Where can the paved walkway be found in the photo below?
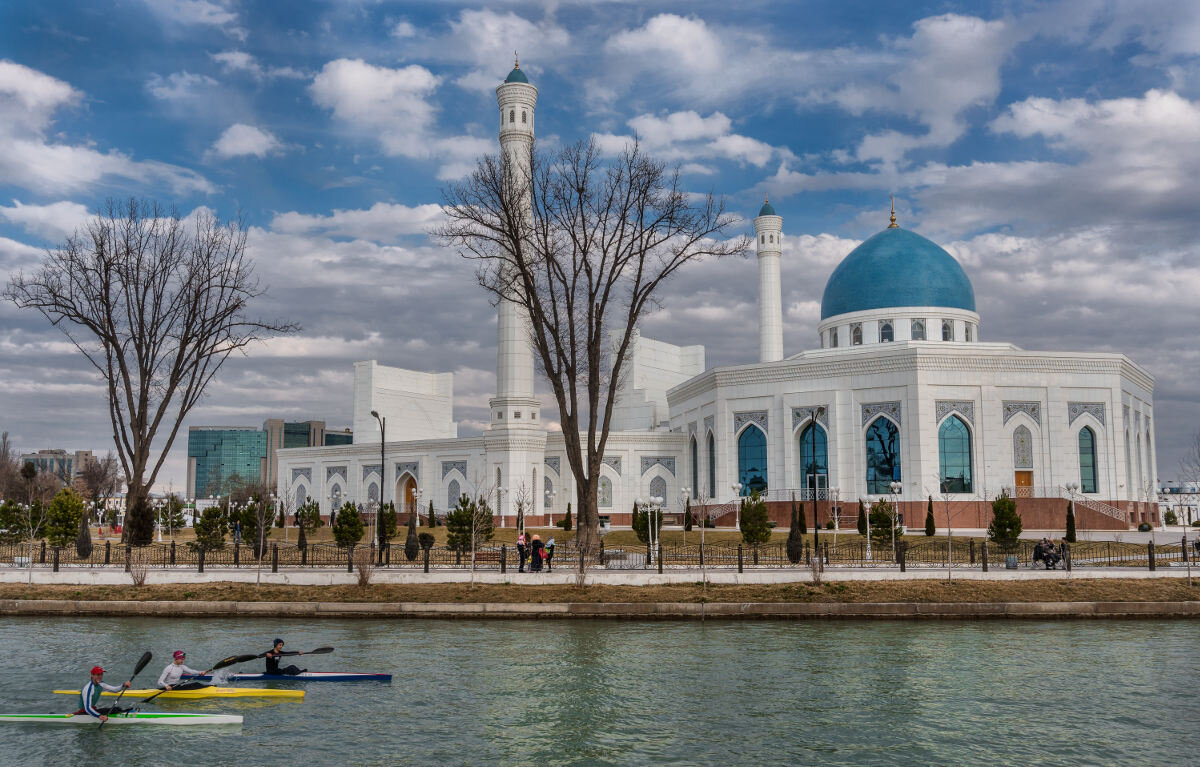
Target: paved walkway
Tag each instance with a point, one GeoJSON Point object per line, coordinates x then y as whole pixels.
{"type": "Point", "coordinates": [115, 576]}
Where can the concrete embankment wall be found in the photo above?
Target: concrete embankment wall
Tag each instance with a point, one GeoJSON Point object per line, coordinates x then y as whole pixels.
{"type": "Point", "coordinates": [625, 610]}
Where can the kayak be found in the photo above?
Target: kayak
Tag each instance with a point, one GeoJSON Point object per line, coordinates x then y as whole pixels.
{"type": "Point", "coordinates": [307, 676]}
{"type": "Point", "coordinates": [141, 717]}
{"type": "Point", "coordinates": [203, 692]}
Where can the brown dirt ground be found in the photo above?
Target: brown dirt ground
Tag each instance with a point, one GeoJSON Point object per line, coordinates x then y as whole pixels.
{"type": "Point", "coordinates": [1152, 590]}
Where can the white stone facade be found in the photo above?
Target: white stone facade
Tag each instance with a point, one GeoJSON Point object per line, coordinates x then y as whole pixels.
{"type": "Point", "coordinates": [1021, 415]}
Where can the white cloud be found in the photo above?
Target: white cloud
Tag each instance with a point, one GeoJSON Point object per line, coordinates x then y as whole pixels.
{"type": "Point", "coordinates": [393, 106]}
{"type": "Point", "coordinates": [382, 222]}
{"type": "Point", "coordinates": [202, 13]}
{"type": "Point", "coordinates": [29, 159]}
{"type": "Point", "coordinates": [485, 38]}
{"type": "Point", "coordinates": [240, 140]}
{"type": "Point", "coordinates": [687, 136]}
{"type": "Point", "coordinates": [179, 86]}
{"type": "Point", "coordinates": [241, 61]}
{"type": "Point", "coordinates": [404, 29]}
{"type": "Point", "coordinates": [51, 222]}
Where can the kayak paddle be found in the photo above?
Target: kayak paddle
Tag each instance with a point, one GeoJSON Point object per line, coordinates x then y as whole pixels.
{"type": "Point", "coordinates": [318, 651]}
{"type": "Point", "coordinates": [223, 663]}
{"type": "Point", "coordinates": [141, 664]}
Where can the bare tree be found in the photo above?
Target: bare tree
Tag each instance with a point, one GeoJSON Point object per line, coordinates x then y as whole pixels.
{"type": "Point", "coordinates": [583, 247]}
{"type": "Point", "coordinates": [523, 501]}
{"type": "Point", "coordinates": [156, 304]}
{"type": "Point", "coordinates": [100, 479]}
{"type": "Point", "coordinates": [10, 469]}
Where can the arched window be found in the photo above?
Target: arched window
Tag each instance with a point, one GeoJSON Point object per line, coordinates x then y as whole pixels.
{"type": "Point", "coordinates": [301, 496]}
{"type": "Point", "coordinates": [752, 460]}
{"type": "Point", "coordinates": [712, 466]}
{"type": "Point", "coordinates": [886, 334]}
{"type": "Point", "coordinates": [947, 330]}
{"type": "Point", "coordinates": [762, 239]}
{"type": "Point", "coordinates": [856, 334]}
{"type": "Point", "coordinates": [1140, 473]}
{"type": "Point", "coordinates": [695, 467]}
{"type": "Point", "coordinates": [918, 330]}
{"type": "Point", "coordinates": [954, 450]}
{"type": "Point", "coordinates": [658, 489]}
{"type": "Point", "coordinates": [335, 491]}
{"type": "Point", "coordinates": [814, 458]}
{"type": "Point", "coordinates": [1087, 460]}
{"type": "Point", "coordinates": [453, 493]}
{"type": "Point", "coordinates": [883, 456]}
{"type": "Point", "coordinates": [523, 120]}
{"type": "Point", "coordinates": [771, 238]}
{"type": "Point", "coordinates": [512, 115]}
{"type": "Point", "coordinates": [970, 332]}
{"type": "Point", "coordinates": [372, 497]}
{"type": "Point", "coordinates": [548, 489]}
{"type": "Point", "coordinates": [833, 338]}
{"type": "Point", "coordinates": [605, 493]}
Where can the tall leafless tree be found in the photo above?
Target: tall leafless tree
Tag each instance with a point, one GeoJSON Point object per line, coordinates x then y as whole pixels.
{"type": "Point", "coordinates": [101, 479]}
{"type": "Point", "coordinates": [156, 304]}
{"type": "Point", "coordinates": [583, 245]}
{"type": "Point", "coordinates": [10, 470]}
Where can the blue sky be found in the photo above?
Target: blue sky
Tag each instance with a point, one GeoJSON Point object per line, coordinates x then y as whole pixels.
{"type": "Point", "coordinates": [1051, 147]}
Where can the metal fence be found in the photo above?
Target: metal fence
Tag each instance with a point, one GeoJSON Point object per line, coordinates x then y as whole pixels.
{"type": "Point", "coordinates": [923, 553]}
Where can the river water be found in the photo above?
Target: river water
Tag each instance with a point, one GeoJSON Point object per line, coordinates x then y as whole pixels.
{"type": "Point", "coordinates": [637, 693]}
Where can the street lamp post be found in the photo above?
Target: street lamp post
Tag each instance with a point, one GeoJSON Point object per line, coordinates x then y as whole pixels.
{"type": "Point", "coordinates": [376, 528]}
{"type": "Point", "coordinates": [416, 494]}
{"type": "Point", "coordinates": [549, 498]}
{"type": "Point", "coordinates": [895, 487]}
{"type": "Point", "coordinates": [867, 516]}
{"type": "Point", "coordinates": [737, 498]}
{"type": "Point", "coordinates": [813, 456]}
{"type": "Point", "coordinates": [684, 494]}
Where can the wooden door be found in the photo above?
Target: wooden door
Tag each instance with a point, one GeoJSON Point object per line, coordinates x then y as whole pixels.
{"type": "Point", "coordinates": [1024, 483]}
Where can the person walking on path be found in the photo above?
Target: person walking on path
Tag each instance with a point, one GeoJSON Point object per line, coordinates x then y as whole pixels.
{"type": "Point", "coordinates": [90, 694]}
{"type": "Point", "coordinates": [170, 676]}
{"type": "Point", "coordinates": [536, 550]}
{"type": "Point", "coordinates": [522, 552]}
{"type": "Point", "coordinates": [549, 553]}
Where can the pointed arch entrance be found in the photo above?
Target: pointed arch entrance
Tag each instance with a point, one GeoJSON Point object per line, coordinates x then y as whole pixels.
{"type": "Point", "coordinates": [406, 496]}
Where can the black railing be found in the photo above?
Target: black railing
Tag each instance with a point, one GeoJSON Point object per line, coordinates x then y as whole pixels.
{"type": "Point", "coordinates": [917, 554]}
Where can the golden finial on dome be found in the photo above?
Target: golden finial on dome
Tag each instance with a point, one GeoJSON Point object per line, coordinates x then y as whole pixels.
{"type": "Point", "coordinates": [766, 199]}
{"type": "Point", "coordinates": [893, 225]}
{"type": "Point", "coordinates": [516, 61]}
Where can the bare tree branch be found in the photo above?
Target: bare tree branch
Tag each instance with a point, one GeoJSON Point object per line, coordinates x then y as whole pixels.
{"type": "Point", "coordinates": [156, 304]}
{"type": "Point", "coordinates": [584, 246]}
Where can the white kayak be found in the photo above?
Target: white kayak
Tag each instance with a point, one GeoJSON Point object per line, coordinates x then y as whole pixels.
{"type": "Point", "coordinates": [156, 718]}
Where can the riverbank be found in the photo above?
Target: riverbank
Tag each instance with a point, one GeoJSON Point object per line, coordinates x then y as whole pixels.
{"type": "Point", "coordinates": [1164, 590]}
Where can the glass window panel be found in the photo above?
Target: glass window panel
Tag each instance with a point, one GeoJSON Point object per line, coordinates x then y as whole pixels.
{"type": "Point", "coordinates": [712, 466]}
{"type": "Point", "coordinates": [883, 456]}
{"type": "Point", "coordinates": [1087, 460]}
{"type": "Point", "coordinates": [886, 334]}
{"type": "Point", "coordinates": [658, 488]}
{"type": "Point", "coordinates": [918, 330]}
{"type": "Point", "coordinates": [814, 456]}
{"type": "Point", "coordinates": [954, 450]}
{"type": "Point", "coordinates": [695, 466]}
{"type": "Point", "coordinates": [752, 460]}
{"type": "Point", "coordinates": [453, 493]}
{"type": "Point", "coordinates": [947, 330]}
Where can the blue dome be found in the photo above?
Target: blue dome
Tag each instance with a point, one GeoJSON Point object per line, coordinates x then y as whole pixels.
{"type": "Point", "coordinates": [767, 210]}
{"type": "Point", "coordinates": [516, 76]}
{"type": "Point", "coordinates": [896, 268]}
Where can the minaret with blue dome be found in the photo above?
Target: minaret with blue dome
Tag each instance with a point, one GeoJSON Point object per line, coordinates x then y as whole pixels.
{"type": "Point", "coordinates": [897, 286]}
{"type": "Point", "coordinates": [768, 230]}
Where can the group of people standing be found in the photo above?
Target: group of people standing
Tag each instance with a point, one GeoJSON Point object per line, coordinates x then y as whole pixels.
{"type": "Point", "coordinates": [535, 551]}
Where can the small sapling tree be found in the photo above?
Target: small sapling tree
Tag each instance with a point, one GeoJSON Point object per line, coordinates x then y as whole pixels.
{"type": "Point", "coordinates": [1005, 527]}
{"type": "Point", "coordinates": [210, 529]}
{"type": "Point", "coordinates": [930, 525]}
{"type": "Point", "coordinates": [862, 519]}
{"type": "Point", "coordinates": [795, 539]}
{"type": "Point", "coordinates": [412, 547]}
{"type": "Point", "coordinates": [348, 528]}
{"type": "Point", "coordinates": [1070, 536]}
{"type": "Point", "coordinates": [755, 521]}
{"type": "Point", "coordinates": [62, 518]}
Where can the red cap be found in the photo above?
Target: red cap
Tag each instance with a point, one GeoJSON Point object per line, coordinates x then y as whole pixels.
{"type": "Point", "coordinates": [180, 654]}
{"type": "Point", "coordinates": [97, 670]}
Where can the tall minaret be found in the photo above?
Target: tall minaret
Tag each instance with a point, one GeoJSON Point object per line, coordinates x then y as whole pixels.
{"type": "Point", "coordinates": [514, 357]}
{"type": "Point", "coordinates": [769, 230]}
{"type": "Point", "coordinates": [515, 442]}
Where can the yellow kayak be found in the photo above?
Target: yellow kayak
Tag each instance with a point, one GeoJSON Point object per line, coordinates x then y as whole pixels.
{"type": "Point", "coordinates": [204, 692]}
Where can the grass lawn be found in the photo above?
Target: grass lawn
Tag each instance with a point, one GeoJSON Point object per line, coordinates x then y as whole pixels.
{"type": "Point", "coordinates": [1065, 590]}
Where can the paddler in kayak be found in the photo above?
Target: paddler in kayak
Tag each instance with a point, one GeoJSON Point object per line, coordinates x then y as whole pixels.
{"type": "Point", "coordinates": [91, 693]}
{"type": "Point", "coordinates": [175, 670]}
{"type": "Point", "coordinates": [274, 654]}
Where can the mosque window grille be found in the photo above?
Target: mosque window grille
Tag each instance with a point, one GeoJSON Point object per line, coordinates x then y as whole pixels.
{"type": "Point", "coordinates": [523, 117]}
{"type": "Point", "coordinates": [970, 332]}
{"type": "Point", "coordinates": [856, 334]}
{"type": "Point", "coordinates": [918, 330]}
{"type": "Point", "coordinates": [947, 330]}
{"type": "Point", "coordinates": [833, 337]}
{"type": "Point", "coordinates": [512, 115]}
{"type": "Point", "coordinates": [886, 332]}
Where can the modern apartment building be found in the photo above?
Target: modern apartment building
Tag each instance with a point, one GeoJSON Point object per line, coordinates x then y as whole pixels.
{"type": "Point", "coordinates": [219, 454]}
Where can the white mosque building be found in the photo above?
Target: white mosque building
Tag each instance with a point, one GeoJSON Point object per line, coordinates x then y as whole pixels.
{"type": "Point", "coordinates": [902, 398]}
